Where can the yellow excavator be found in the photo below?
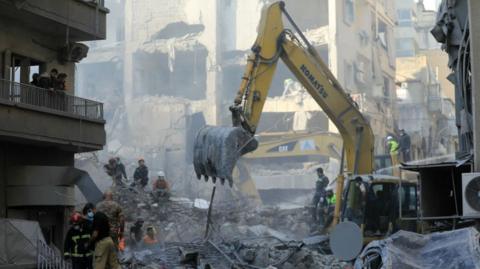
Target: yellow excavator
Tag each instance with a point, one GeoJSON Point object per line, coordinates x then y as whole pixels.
{"type": "Point", "coordinates": [369, 203]}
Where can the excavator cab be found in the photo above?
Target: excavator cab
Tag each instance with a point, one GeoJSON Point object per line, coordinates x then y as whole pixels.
{"type": "Point", "coordinates": [374, 204]}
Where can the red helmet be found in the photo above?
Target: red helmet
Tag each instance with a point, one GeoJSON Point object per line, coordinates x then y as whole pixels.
{"type": "Point", "coordinates": [75, 218]}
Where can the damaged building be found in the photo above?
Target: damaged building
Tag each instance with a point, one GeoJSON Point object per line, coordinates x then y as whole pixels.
{"type": "Point", "coordinates": [422, 84]}
{"type": "Point", "coordinates": [43, 129]}
{"type": "Point", "coordinates": [148, 58]}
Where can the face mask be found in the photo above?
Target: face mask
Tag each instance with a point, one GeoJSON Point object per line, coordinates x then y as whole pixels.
{"type": "Point", "coordinates": [76, 227]}
{"type": "Point", "coordinates": [90, 215]}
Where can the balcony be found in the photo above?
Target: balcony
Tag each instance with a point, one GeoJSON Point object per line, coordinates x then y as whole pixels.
{"type": "Point", "coordinates": [40, 116]}
{"type": "Point", "coordinates": [84, 19]}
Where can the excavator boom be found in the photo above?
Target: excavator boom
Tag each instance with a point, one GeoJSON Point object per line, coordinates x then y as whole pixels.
{"type": "Point", "coordinates": [218, 148]}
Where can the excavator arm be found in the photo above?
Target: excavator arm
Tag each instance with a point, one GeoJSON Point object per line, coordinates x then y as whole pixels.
{"type": "Point", "coordinates": [217, 149]}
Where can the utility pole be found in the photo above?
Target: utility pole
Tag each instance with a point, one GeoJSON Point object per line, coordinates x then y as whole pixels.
{"type": "Point", "coordinates": [474, 22]}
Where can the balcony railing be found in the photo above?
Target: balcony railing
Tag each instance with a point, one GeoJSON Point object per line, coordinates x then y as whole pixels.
{"type": "Point", "coordinates": [50, 100]}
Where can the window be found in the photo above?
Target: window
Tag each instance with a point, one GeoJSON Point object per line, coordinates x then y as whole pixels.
{"type": "Point", "coordinates": [383, 34]}
{"type": "Point", "coordinates": [404, 17]}
{"type": "Point", "coordinates": [348, 76]}
{"type": "Point", "coordinates": [348, 11]}
{"type": "Point", "coordinates": [408, 196]}
{"type": "Point", "coordinates": [405, 47]}
{"type": "Point", "coordinates": [386, 88]}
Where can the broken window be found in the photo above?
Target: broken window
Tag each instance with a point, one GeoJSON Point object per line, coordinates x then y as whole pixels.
{"type": "Point", "coordinates": [383, 34]}
{"type": "Point", "coordinates": [348, 76]}
{"type": "Point", "coordinates": [348, 11]}
{"type": "Point", "coordinates": [404, 17]}
{"type": "Point", "coordinates": [405, 47]}
{"type": "Point", "coordinates": [386, 88]}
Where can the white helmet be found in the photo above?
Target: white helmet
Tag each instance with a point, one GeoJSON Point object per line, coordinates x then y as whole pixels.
{"type": "Point", "coordinates": [389, 137]}
{"type": "Point", "coordinates": [161, 174]}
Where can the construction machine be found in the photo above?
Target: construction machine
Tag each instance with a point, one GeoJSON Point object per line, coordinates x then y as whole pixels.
{"type": "Point", "coordinates": [369, 201]}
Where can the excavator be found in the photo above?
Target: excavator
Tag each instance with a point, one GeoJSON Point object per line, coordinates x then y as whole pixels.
{"type": "Point", "coordinates": [369, 204]}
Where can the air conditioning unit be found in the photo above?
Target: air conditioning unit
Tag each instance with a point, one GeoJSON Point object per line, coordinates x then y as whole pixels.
{"type": "Point", "coordinates": [471, 195]}
{"type": "Point", "coordinates": [73, 52]}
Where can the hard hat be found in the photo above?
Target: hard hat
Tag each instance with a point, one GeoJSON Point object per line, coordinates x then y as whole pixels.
{"type": "Point", "coordinates": [161, 174]}
{"type": "Point", "coordinates": [75, 218]}
{"type": "Point", "coordinates": [389, 137]}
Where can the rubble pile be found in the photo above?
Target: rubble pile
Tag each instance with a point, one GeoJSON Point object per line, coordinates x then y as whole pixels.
{"type": "Point", "coordinates": [249, 253]}
{"type": "Point", "coordinates": [240, 236]}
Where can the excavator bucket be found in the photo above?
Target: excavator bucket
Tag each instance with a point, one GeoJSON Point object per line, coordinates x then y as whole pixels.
{"type": "Point", "coordinates": [216, 150]}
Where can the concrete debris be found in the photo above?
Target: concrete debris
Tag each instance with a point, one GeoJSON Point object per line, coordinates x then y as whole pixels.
{"type": "Point", "coordinates": [241, 236]}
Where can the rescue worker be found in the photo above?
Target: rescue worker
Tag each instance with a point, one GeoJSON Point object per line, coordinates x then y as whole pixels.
{"type": "Point", "coordinates": [331, 199]}
{"type": "Point", "coordinates": [161, 190]}
{"type": "Point", "coordinates": [393, 148]}
{"type": "Point", "coordinates": [105, 254]}
{"type": "Point", "coordinates": [113, 169]}
{"type": "Point", "coordinates": [140, 176]}
{"type": "Point", "coordinates": [405, 145]}
{"type": "Point", "coordinates": [150, 240]}
{"type": "Point", "coordinates": [76, 245]}
{"type": "Point", "coordinates": [88, 211]}
{"type": "Point", "coordinates": [115, 216]}
{"type": "Point", "coordinates": [121, 168]}
{"type": "Point", "coordinates": [319, 198]}
{"type": "Point", "coordinates": [136, 233]}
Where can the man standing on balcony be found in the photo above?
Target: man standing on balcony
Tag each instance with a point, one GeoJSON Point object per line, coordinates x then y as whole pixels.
{"type": "Point", "coordinates": [53, 78]}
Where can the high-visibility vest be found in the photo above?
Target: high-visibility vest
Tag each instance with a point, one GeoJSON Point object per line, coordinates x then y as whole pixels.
{"type": "Point", "coordinates": [394, 146]}
{"type": "Point", "coordinates": [332, 200]}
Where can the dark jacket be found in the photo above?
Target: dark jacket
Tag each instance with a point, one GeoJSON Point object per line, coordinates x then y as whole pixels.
{"type": "Point", "coordinates": [405, 142]}
{"type": "Point", "coordinates": [77, 243]}
{"type": "Point", "coordinates": [321, 183]}
{"type": "Point", "coordinates": [122, 170]}
{"type": "Point", "coordinates": [141, 174]}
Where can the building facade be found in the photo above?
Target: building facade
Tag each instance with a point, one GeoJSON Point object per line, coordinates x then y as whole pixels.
{"type": "Point", "coordinates": [41, 130]}
{"type": "Point", "coordinates": [422, 84]}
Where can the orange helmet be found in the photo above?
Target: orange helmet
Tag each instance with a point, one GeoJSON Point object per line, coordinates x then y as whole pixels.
{"type": "Point", "coordinates": [75, 218]}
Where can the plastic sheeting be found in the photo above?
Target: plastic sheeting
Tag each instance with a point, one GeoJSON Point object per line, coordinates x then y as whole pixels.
{"type": "Point", "coordinates": [456, 249]}
{"type": "Point", "coordinates": [18, 241]}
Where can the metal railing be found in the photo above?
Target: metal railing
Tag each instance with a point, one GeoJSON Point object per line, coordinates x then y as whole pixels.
{"type": "Point", "coordinates": [50, 99]}
{"type": "Point", "coordinates": [47, 258]}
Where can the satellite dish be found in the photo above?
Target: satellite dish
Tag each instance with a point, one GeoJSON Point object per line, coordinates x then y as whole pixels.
{"type": "Point", "coordinates": [346, 241]}
{"type": "Point", "coordinates": [472, 193]}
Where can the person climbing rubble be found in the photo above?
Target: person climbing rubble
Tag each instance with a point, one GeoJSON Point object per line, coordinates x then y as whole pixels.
{"type": "Point", "coordinates": [121, 168]}
{"type": "Point", "coordinates": [140, 176]}
{"type": "Point", "coordinates": [115, 215]}
{"type": "Point", "coordinates": [76, 245]}
{"type": "Point", "coordinates": [319, 198]}
{"type": "Point", "coordinates": [136, 233]}
{"type": "Point", "coordinates": [114, 170]}
{"type": "Point", "coordinates": [150, 239]}
{"type": "Point", "coordinates": [161, 189]}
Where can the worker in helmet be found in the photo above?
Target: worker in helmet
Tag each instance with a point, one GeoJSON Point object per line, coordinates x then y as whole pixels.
{"type": "Point", "coordinates": [393, 148]}
{"type": "Point", "coordinates": [150, 239]}
{"type": "Point", "coordinates": [328, 210]}
{"type": "Point", "coordinates": [140, 176]}
{"type": "Point", "coordinates": [161, 189]}
{"type": "Point", "coordinates": [76, 245]}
